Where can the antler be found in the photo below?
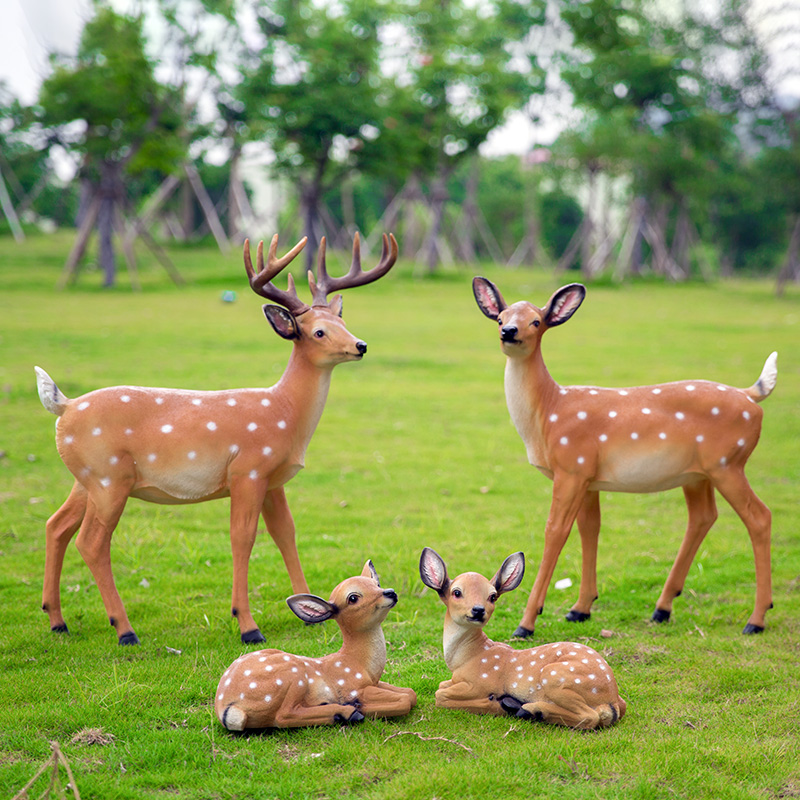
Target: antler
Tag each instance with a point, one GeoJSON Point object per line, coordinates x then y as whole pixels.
{"type": "Point", "coordinates": [261, 282]}
{"type": "Point", "coordinates": [324, 284]}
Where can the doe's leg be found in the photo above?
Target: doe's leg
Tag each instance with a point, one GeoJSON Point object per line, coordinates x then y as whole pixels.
{"type": "Point", "coordinates": [589, 528]}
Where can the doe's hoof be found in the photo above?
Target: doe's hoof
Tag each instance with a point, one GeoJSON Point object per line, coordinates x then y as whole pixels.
{"type": "Point", "coordinates": [659, 615]}
{"type": "Point", "coordinates": [253, 637]}
{"type": "Point", "coordinates": [577, 616]}
{"type": "Point", "coordinates": [60, 628]}
{"type": "Point", "coordinates": [750, 629]}
{"type": "Point", "coordinates": [129, 638]}
{"type": "Point", "coordinates": [354, 718]}
{"type": "Point", "coordinates": [522, 633]}
{"type": "Point", "coordinates": [510, 705]}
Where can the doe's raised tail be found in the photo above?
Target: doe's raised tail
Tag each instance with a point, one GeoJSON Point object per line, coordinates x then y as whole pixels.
{"type": "Point", "coordinates": [763, 387]}
{"type": "Point", "coordinates": [51, 396]}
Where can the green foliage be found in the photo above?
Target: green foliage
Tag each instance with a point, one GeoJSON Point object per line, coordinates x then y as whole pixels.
{"type": "Point", "coordinates": [415, 448]}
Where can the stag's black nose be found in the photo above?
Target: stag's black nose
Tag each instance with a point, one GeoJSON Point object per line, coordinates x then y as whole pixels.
{"type": "Point", "coordinates": [478, 612]}
{"type": "Point", "coordinates": [508, 333]}
{"type": "Point", "coordinates": [361, 347]}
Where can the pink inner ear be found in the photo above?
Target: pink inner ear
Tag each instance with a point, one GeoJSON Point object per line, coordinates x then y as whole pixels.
{"type": "Point", "coordinates": [565, 305]}
{"type": "Point", "coordinates": [488, 300]}
{"type": "Point", "coordinates": [435, 571]}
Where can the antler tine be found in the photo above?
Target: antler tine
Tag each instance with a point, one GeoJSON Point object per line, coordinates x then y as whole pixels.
{"type": "Point", "coordinates": [261, 281]}
{"type": "Point", "coordinates": [355, 276]}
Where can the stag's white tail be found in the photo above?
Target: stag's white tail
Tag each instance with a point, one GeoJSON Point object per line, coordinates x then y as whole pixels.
{"type": "Point", "coordinates": [51, 396]}
{"type": "Point", "coordinates": [763, 387]}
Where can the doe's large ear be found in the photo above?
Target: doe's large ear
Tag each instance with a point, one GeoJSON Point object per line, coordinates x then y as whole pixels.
{"type": "Point", "coordinates": [282, 321]}
{"type": "Point", "coordinates": [563, 304]}
{"type": "Point", "coordinates": [510, 574]}
{"type": "Point", "coordinates": [488, 297]}
{"type": "Point", "coordinates": [433, 571]}
{"type": "Point", "coordinates": [310, 608]}
{"type": "Point", "coordinates": [369, 571]}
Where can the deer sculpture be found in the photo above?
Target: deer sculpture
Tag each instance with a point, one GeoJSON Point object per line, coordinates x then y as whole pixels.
{"type": "Point", "coordinates": [273, 689]}
{"type": "Point", "coordinates": [178, 446]}
{"type": "Point", "coordinates": [562, 683]}
{"type": "Point", "coordinates": [694, 434]}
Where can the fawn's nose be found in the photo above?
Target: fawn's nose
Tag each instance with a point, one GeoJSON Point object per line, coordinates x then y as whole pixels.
{"type": "Point", "coordinates": [390, 594]}
{"type": "Point", "coordinates": [361, 347]}
{"type": "Point", "coordinates": [508, 333]}
{"type": "Point", "coordinates": [478, 612]}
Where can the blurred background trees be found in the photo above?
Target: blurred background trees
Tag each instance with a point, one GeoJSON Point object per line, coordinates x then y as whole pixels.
{"type": "Point", "coordinates": [676, 153]}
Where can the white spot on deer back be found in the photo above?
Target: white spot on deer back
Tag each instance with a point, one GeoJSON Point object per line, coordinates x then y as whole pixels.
{"type": "Point", "coordinates": [126, 398]}
{"type": "Point", "coordinates": [83, 406]}
{"type": "Point", "coordinates": [212, 426]}
{"type": "Point", "coordinates": [282, 424]}
{"type": "Point", "coordinates": [166, 429]}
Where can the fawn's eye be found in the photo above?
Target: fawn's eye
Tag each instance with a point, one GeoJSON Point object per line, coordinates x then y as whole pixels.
{"type": "Point", "coordinates": [492, 598]}
{"type": "Point", "coordinates": [456, 592]}
{"type": "Point", "coordinates": [535, 323]}
{"type": "Point", "coordinates": [353, 598]}
{"type": "Point", "coordinates": [319, 333]}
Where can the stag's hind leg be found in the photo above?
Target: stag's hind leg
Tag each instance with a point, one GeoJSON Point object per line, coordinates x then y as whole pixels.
{"type": "Point", "coordinates": [702, 509]}
{"type": "Point", "coordinates": [734, 487]}
{"type": "Point", "coordinates": [60, 529]}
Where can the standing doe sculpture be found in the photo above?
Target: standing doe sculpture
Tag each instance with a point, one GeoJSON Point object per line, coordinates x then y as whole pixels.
{"type": "Point", "coordinates": [694, 434]}
{"type": "Point", "coordinates": [178, 446]}
{"type": "Point", "coordinates": [563, 683]}
{"type": "Point", "coordinates": [273, 689]}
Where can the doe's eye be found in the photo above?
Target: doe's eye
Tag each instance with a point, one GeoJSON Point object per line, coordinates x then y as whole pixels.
{"type": "Point", "coordinates": [352, 599]}
{"type": "Point", "coordinates": [492, 598]}
{"type": "Point", "coordinates": [456, 592]}
{"type": "Point", "coordinates": [319, 333]}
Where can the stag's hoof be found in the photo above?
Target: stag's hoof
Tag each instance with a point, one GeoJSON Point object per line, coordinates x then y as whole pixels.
{"type": "Point", "coordinates": [62, 628]}
{"type": "Point", "coordinates": [522, 633]}
{"type": "Point", "coordinates": [129, 638]}
{"type": "Point", "coordinates": [253, 637]}
{"type": "Point", "coordinates": [659, 615]}
{"type": "Point", "coordinates": [577, 616]}
{"type": "Point", "coordinates": [750, 629]}
{"type": "Point", "coordinates": [510, 705]}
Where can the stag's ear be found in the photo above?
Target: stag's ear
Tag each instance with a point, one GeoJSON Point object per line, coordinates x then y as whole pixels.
{"type": "Point", "coordinates": [369, 571]}
{"type": "Point", "coordinates": [488, 297]}
{"type": "Point", "coordinates": [282, 321]}
{"type": "Point", "coordinates": [433, 571]}
{"type": "Point", "coordinates": [563, 304]}
{"type": "Point", "coordinates": [310, 608]}
{"type": "Point", "coordinates": [509, 576]}
{"type": "Point", "coordinates": [336, 304]}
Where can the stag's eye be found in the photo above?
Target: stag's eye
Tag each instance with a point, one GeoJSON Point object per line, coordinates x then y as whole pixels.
{"type": "Point", "coordinates": [456, 592]}
{"type": "Point", "coordinates": [319, 333]}
{"type": "Point", "coordinates": [352, 599]}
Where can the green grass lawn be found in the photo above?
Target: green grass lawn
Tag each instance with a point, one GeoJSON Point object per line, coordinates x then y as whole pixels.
{"type": "Point", "coordinates": [415, 448]}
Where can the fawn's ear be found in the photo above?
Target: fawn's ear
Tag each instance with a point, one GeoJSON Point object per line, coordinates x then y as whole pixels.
{"type": "Point", "coordinates": [282, 321]}
{"type": "Point", "coordinates": [488, 297]}
{"type": "Point", "coordinates": [433, 571]}
{"type": "Point", "coordinates": [509, 576]}
{"type": "Point", "coordinates": [310, 608]}
{"type": "Point", "coordinates": [370, 572]}
{"type": "Point", "coordinates": [563, 304]}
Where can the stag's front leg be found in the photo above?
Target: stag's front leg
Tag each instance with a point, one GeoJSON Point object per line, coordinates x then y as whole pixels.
{"type": "Point", "coordinates": [385, 700]}
{"type": "Point", "coordinates": [60, 529]}
{"type": "Point", "coordinates": [280, 525]}
{"type": "Point", "coordinates": [589, 529]}
{"type": "Point", "coordinates": [247, 497]}
{"type": "Point", "coordinates": [568, 494]}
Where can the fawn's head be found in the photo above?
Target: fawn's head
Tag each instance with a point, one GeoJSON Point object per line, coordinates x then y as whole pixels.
{"type": "Point", "coordinates": [470, 598]}
{"type": "Point", "coordinates": [357, 604]}
{"type": "Point", "coordinates": [522, 324]}
{"type": "Point", "coordinates": [318, 329]}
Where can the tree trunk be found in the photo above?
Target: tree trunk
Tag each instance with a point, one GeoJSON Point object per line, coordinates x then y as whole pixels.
{"type": "Point", "coordinates": [109, 191]}
{"type": "Point", "coordinates": [439, 197]}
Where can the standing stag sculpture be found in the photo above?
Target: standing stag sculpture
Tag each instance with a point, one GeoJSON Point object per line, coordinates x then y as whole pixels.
{"type": "Point", "coordinates": [273, 689]}
{"type": "Point", "coordinates": [695, 434]}
{"type": "Point", "coordinates": [563, 683]}
{"type": "Point", "coordinates": [178, 446]}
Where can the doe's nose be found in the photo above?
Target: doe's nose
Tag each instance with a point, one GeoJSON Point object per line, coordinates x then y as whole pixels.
{"type": "Point", "coordinates": [361, 347]}
{"type": "Point", "coordinates": [508, 333]}
{"type": "Point", "coordinates": [478, 612]}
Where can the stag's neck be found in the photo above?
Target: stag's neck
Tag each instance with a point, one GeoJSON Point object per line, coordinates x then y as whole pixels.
{"type": "Point", "coordinates": [303, 387]}
{"type": "Point", "coordinates": [531, 394]}
{"type": "Point", "coordinates": [461, 644]}
{"type": "Point", "coordinates": [367, 649]}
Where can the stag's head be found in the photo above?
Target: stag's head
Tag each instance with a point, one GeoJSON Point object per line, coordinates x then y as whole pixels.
{"type": "Point", "coordinates": [317, 328]}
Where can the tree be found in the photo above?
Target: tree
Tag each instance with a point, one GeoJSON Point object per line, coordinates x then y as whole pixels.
{"type": "Point", "coordinates": [105, 104]}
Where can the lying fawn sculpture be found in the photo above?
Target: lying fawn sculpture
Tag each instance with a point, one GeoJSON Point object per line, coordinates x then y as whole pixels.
{"type": "Point", "coordinates": [694, 434]}
{"type": "Point", "coordinates": [273, 689]}
{"type": "Point", "coordinates": [562, 683]}
{"type": "Point", "coordinates": [175, 446]}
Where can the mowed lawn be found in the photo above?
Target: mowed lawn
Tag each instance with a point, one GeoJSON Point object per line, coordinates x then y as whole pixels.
{"type": "Point", "coordinates": [415, 449]}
